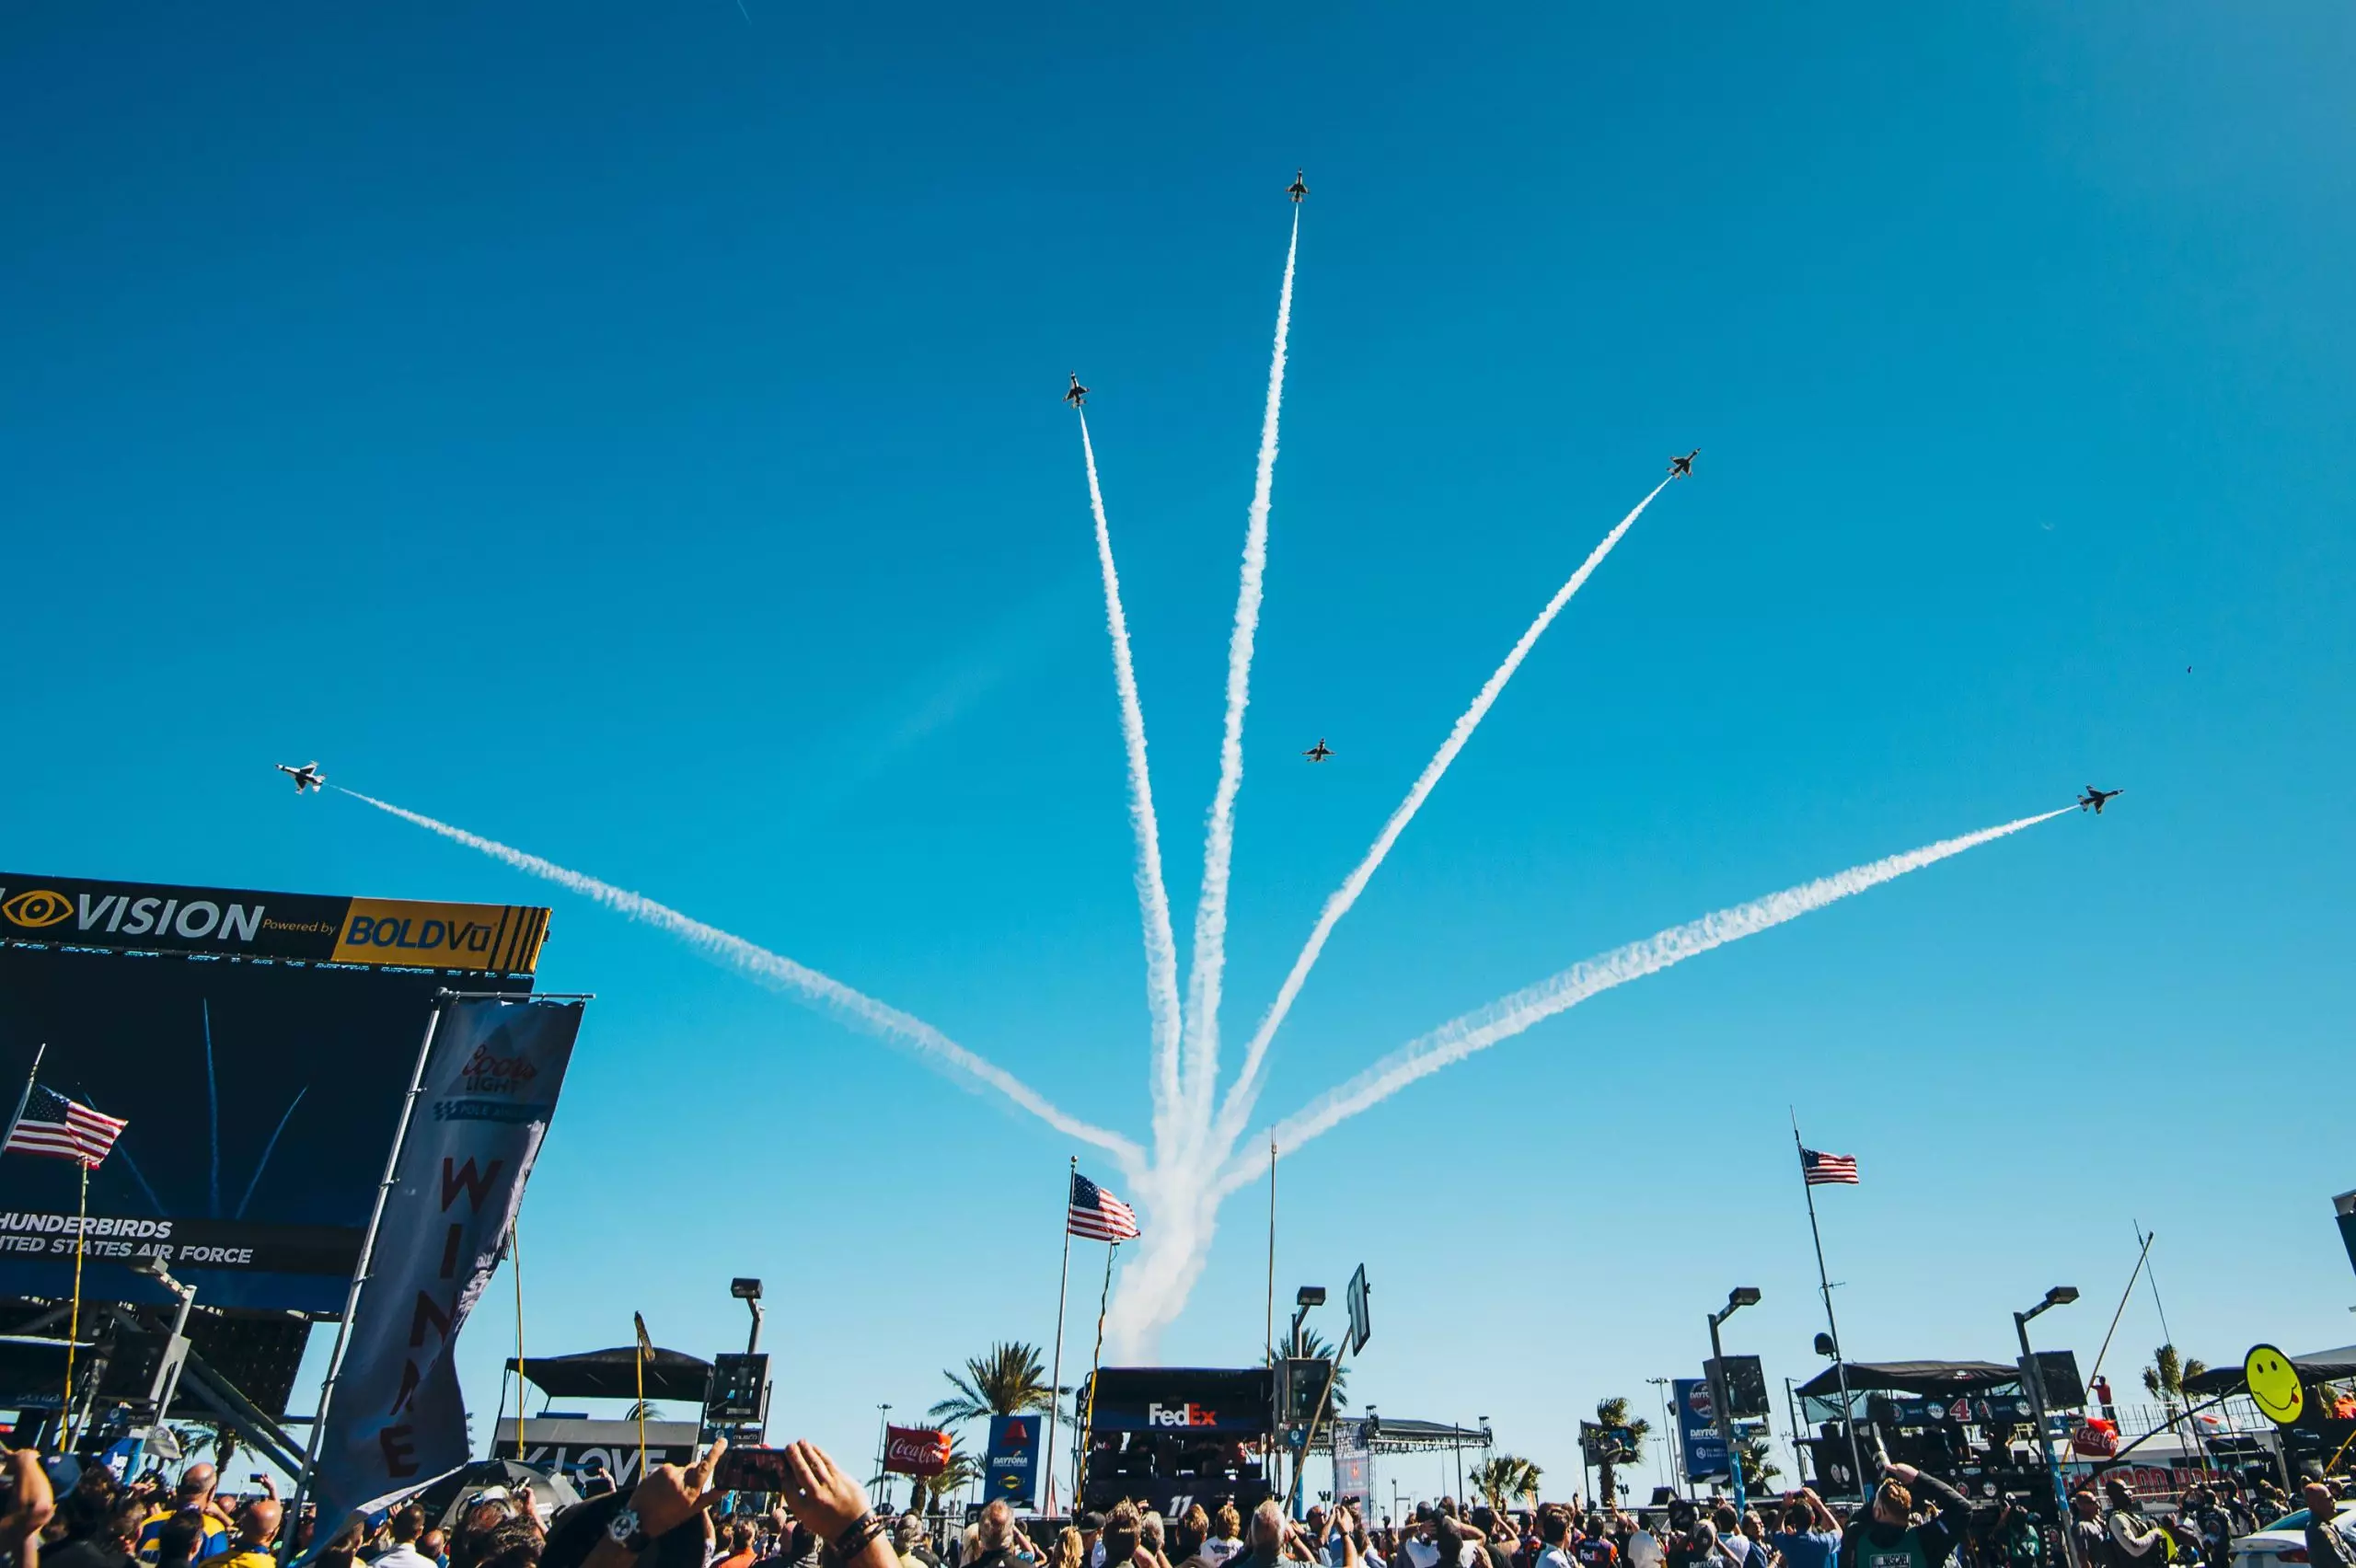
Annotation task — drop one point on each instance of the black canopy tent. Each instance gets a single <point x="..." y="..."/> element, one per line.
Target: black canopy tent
<point x="2315" y="1366"/>
<point x="1922" y="1379"/>
<point x="613" y="1375"/>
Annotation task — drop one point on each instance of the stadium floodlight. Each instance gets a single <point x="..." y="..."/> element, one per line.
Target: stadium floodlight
<point x="2061" y="1296"/>
<point x="1744" y="1295"/>
<point x="1309" y="1296"/>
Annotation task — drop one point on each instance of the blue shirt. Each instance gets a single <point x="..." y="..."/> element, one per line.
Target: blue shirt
<point x="1807" y="1549"/>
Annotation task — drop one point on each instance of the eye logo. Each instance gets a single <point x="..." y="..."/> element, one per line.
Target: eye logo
<point x="36" y="907"/>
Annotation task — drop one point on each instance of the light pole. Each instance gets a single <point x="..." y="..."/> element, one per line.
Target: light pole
<point x="1742" y="1296"/>
<point x="748" y="1291"/>
<point x="2033" y="1376"/>
<point x="1306" y="1298"/>
<point x="167" y="1381"/>
<point x="883" y="1441"/>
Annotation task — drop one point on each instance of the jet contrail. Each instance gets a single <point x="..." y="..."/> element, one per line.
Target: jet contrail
<point x="1460" y="1037"/>
<point x="1154" y="896"/>
<point x="782" y="973"/>
<point x="1208" y="958"/>
<point x="1246" y="1090"/>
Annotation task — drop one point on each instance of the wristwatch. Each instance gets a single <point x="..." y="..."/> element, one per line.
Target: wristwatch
<point x="623" y="1528"/>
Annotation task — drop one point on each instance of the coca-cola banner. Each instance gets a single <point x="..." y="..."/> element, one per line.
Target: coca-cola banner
<point x="915" y="1451"/>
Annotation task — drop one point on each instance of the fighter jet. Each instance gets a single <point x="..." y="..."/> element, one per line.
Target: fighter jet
<point x="1298" y="189"/>
<point x="1319" y="751"/>
<point x="307" y="776"/>
<point x="1682" y="467"/>
<point x="1078" y="396"/>
<point x="2095" y="798"/>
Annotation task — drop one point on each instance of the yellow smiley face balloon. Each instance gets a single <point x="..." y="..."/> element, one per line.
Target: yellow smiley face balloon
<point x="2273" y="1385"/>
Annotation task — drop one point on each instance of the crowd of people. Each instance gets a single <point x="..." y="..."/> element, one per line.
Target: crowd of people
<point x="674" y="1518"/>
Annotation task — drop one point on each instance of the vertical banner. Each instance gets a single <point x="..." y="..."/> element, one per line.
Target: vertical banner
<point x="1353" y="1465"/>
<point x="1697" y="1429"/>
<point x="491" y="1084"/>
<point x="1011" y="1467"/>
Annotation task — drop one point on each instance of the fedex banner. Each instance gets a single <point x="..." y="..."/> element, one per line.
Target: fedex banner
<point x="1205" y="1400"/>
<point x="491" y="1080"/>
<point x="915" y="1451"/>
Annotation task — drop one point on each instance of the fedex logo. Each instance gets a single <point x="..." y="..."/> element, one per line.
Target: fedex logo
<point x="1158" y="1415"/>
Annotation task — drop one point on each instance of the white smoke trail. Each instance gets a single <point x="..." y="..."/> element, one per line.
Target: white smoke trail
<point x="1154" y="896"/>
<point x="782" y="973"/>
<point x="1209" y="959"/>
<point x="1246" y="1090"/>
<point x="1460" y="1037"/>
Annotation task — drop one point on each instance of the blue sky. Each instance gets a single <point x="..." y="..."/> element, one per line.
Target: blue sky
<point x="630" y="433"/>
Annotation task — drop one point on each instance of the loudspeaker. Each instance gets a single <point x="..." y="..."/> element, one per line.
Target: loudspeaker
<point x="2058" y="1370"/>
<point x="1745" y="1385"/>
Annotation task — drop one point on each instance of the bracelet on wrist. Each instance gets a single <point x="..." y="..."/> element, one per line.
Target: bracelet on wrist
<point x="856" y="1535"/>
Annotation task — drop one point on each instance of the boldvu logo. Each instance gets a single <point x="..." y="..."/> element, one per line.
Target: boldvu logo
<point x="36" y="907"/>
<point x="429" y="935"/>
<point x="1159" y="1415"/>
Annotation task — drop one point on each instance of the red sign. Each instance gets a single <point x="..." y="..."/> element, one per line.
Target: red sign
<point x="2097" y="1439"/>
<point x="915" y="1451"/>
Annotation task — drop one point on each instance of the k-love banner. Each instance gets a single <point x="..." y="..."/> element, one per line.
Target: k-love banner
<point x="396" y="1419"/>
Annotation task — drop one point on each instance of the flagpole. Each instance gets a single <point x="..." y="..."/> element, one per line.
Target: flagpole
<point x="1056" y="1376"/>
<point x="26" y="1097"/>
<point x="1824" y="1284"/>
<point x="1096" y="1364"/>
<point x="74" y="1328"/>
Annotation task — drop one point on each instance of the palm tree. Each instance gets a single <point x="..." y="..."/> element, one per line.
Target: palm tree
<point x="1613" y="1412"/>
<point x="1006" y="1379"/>
<point x="1759" y="1466"/>
<point x="925" y="1492"/>
<point x="2163" y="1381"/>
<point x="1506" y="1479"/>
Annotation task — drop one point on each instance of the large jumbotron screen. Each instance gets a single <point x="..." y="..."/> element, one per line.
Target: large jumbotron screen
<point x="259" y="1045"/>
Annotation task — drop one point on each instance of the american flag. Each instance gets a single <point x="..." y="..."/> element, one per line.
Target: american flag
<point x="1828" y="1170"/>
<point x="54" y="1126"/>
<point x="1098" y="1215"/>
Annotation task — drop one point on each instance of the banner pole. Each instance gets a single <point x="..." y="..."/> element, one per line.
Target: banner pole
<point x="74" y="1322"/>
<point x="515" y="1252"/>
<point x="1096" y="1364"/>
<point x="359" y="1276"/>
<point x="639" y="1358"/>
<point x="1056" y="1376"/>
<point x="1824" y="1284"/>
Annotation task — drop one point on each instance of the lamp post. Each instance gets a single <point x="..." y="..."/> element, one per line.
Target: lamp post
<point x="1306" y="1298"/>
<point x="1742" y="1296"/>
<point x="2059" y="1296"/>
<point x="748" y="1291"/>
<point x="167" y="1381"/>
<point x="882" y="1442"/>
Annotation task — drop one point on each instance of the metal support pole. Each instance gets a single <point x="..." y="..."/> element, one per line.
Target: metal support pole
<point x="359" y="1276"/>
<point x="1055" y="1374"/>
<point x="1725" y="1411"/>
<point x="2033" y="1377"/>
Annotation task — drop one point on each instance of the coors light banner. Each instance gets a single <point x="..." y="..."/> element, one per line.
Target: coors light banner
<point x="396" y="1419"/>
